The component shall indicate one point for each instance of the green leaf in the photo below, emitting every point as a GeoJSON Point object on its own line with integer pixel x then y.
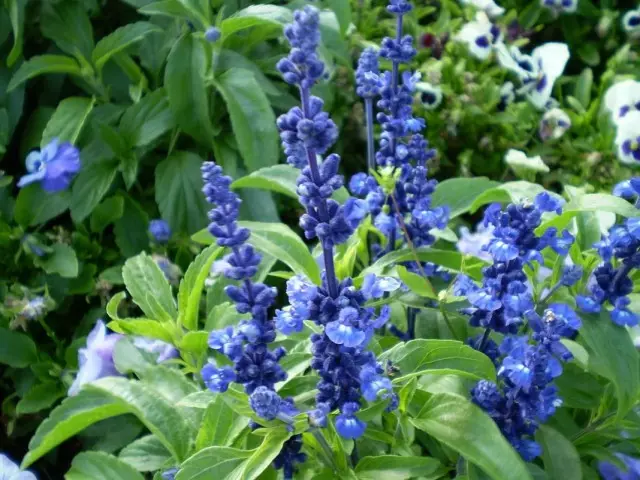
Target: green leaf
{"type": "Point", "coordinates": [192, 284]}
{"type": "Point", "coordinates": [150, 118]}
{"type": "Point", "coordinates": [393, 467]}
{"type": "Point", "coordinates": [119, 40]}
{"type": "Point", "coordinates": [252, 119]}
{"type": "Point", "coordinates": [100, 466]}
{"type": "Point", "coordinates": [256, 15]}
{"type": "Point", "coordinates": [460, 193]}
{"type": "Point", "coordinates": [149, 288]}
{"type": "Point", "coordinates": [92, 184]}
{"type": "Point", "coordinates": [602, 337]}
{"type": "Point", "coordinates": [447, 258]}
{"type": "Point", "coordinates": [213, 462]}
{"type": "Point", "coordinates": [62, 260]}
{"type": "Point", "coordinates": [220, 425]}
{"type": "Point", "coordinates": [67, 121]}
{"type": "Point", "coordinates": [279, 241]}
{"type": "Point", "coordinates": [106, 213]}
{"type": "Point", "coordinates": [143, 327]}
{"type": "Point", "coordinates": [16, 14]}
{"type": "Point", "coordinates": [68, 25]}
{"type": "Point", "coordinates": [422, 356]}
{"type": "Point", "coordinates": [42, 64]}
{"type": "Point", "coordinates": [146, 454]}
{"type": "Point", "coordinates": [343, 13]}
{"type": "Point", "coordinates": [265, 454]}
{"type": "Point", "coordinates": [416, 283]}
{"type": "Point", "coordinates": [561, 460]}
{"type": "Point", "coordinates": [179, 192]}
{"type": "Point", "coordinates": [131, 230]}
{"type": "Point", "coordinates": [171, 8]}
{"type": "Point", "coordinates": [16, 349]}
{"type": "Point", "coordinates": [583, 87]}
{"type": "Point", "coordinates": [515, 192]}
{"type": "Point", "coordinates": [169, 382]}
{"type": "Point", "coordinates": [39, 397]}
{"type": "Point", "coordinates": [464, 427]}
{"type": "Point", "coordinates": [184, 80]}
{"type": "Point", "coordinates": [34, 206]}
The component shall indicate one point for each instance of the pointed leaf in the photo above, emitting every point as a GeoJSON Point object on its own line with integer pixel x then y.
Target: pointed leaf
{"type": "Point", "coordinates": [67, 121]}
{"type": "Point", "coordinates": [44, 64]}
{"type": "Point", "coordinates": [393, 467]}
{"type": "Point", "coordinates": [100, 466]}
{"type": "Point", "coordinates": [146, 454]}
{"type": "Point", "coordinates": [213, 462]}
{"type": "Point", "coordinates": [119, 40]}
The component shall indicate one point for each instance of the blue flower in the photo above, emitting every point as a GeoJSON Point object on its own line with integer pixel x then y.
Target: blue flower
{"type": "Point", "coordinates": [225, 341]}
{"type": "Point", "coordinates": [212, 34]}
{"type": "Point", "coordinates": [347, 424]}
{"type": "Point", "coordinates": [374, 385]}
{"type": "Point", "coordinates": [11, 471]}
{"type": "Point", "coordinates": [217, 379]}
{"type": "Point", "coordinates": [289, 456]}
{"type": "Point", "coordinates": [374, 287]}
{"type": "Point", "coordinates": [368, 80]}
{"type": "Point", "coordinates": [609, 471]}
{"type": "Point", "coordinates": [54, 166]}
{"type": "Point", "coordinates": [169, 474]}
{"type": "Point", "coordinates": [354, 212]}
{"type": "Point", "coordinates": [265, 402]}
{"type": "Point", "coordinates": [345, 330]}
{"type": "Point", "coordinates": [160, 230]}
{"type": "Point", "coordinates": [288, 321]}
{"type": "Point", "coordinates": [96, 359]}
{"type": "Point", "coordinates": [163, 351]}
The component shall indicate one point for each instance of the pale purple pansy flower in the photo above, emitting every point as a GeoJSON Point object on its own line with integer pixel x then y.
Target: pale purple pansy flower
{"type": "Point", "coordinates": [11, 471]}
{"type": "Point", "coordinates": [54, 166]}
{"type": "Point", "coordinates": [96, 359]}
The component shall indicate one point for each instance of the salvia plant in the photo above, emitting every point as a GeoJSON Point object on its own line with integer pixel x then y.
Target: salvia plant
{"type": "Point", "coordinates": [393, 326]}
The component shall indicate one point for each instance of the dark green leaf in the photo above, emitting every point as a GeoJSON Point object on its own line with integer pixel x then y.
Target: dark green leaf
{"type": "Point", "coordinates": [460, 193]}
{"type": "Point", "coordinates": [184, 80]}
{"type": "Point", "coordinates": [464, 427]}
{"type": "Point", "coordinates": [16, 349]}
{"type": "Point", "coordinates": [68, 25]}
{"type": "Point", "coordinates": [34, 206]}
{"type": "Point", "coordinates": [583, 87]}
{"type": "Point", "coordinates": [61, 260]}
{"type": "Point", "coordinates": [119, 40]}
{"type": "Point", "coordinates": [422, 356]}
{"type": "Point", "coordinates": [148, 119]}
{"type": "Point", "coordinates": [100, 466]}
{"type": "Point", "coordinates": [106, 213]}
{"type": "Point", "coordinates": [39, 397]}
{"type": "Point", "coordinates": [67, 121]}
{"type": "Point", "coordinates": [179, 192]}
{"type": "Point", "coordinates": [44, 64]}
{"type": "Point", "coordinates": [252, 118]}
{"type": "Point", "coordinates": [131, 229]}
{"type": "Point", "coordinates": [392, 467]}
{"type": "Point", "coordinates": [561, 460]}
{"type": "Point", "coordinates": [16, 14]}
{"type": "Point", "coordinates": [88, 189]}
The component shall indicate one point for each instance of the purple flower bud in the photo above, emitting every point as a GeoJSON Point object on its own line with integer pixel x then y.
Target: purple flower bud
{"type": "Point", "coordinates": [160, 230]}
{"type": "Point", "coordinates": [212, 34]}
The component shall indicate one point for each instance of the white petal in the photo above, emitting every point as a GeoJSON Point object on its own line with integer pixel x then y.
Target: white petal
{"type": "Point", "coordinates": [97, 335]}
{"type": "Point", "coordinates": [628, 129]}
{"type": "Point", "coordinates": [625, 93]}
{"type": "Point", "coordinates": [553, 58]}
{"type": "Point", "coordinates": [519, 161]}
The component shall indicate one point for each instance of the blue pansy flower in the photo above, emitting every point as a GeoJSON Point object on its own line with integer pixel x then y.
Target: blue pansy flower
{"type": "Point", "coordinates": [54, 166]}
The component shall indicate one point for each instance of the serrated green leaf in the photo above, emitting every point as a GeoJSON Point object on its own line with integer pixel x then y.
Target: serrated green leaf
{"type": "Point", "coordinates": [16, 349]}
{"type": "Point", "coordinates": [100, 466]}
{"type": "Point", "coordinates": [393, 467]}
{"type": "Point", "coordinates": [464, 427]}
{"type": "Point", "coordinates": [42, 64]}
{"type": "Point", "coordinates": [145, 281]}
{"type": "Point", "coordinates": [39, 397]}
{"type": "Point", "coordinates": [184, 80]}
{"type": "Point", "coordinates": [443, 357]}
{"type": "Point", "coordinates": [252, 118]}
{"type": "Point", "coordinates": [61, 260]}
{"type": "Point", "coordinates": [67, 121]}
{"type": "Point", "coordinates": [179, 192]}
{"type": "Point", "coordinates": [220, 425]}
{"type": "Point", "coordinates": [146, 454]}
{"type": "Point", "coordinates": [119, 40]}
{"type": "Point", "coordinates": [213, 462]}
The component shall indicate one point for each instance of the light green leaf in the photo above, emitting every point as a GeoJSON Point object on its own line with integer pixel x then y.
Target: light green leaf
{"type": "Point", "coordinates": [119, 40]}
{"type": "Point", "coordinates": [422, 356]}
{"type": "Point", "coordinates": [34, 206]}
{"type": "Point", "coordinates": [194, 342]}
{"type": "Point", "coordinates": [143, 327]}
{"type": "Point", "coordinates": [42, 64]}
{"type": "Point", "coordinates": [67, 121]}
{"type": "Point", "coordinates": [583, 87]}
{"type": "Point", "coordinates": [198, 399]}
{"type": "Point", "coordinates": [220, 425]}
{"type": "Point", "coordinates": [252, 119]}
{"type": "Point", "coordinates": [393, 467]}
{"type": "Point", "coordinates": [146, 454]}
{"type": "Point", "coordinates": [508, 192]}
{"type": "Point", "coordinates": [561, 460]}
{"type": "Point", "coordinates": [149, 288]}
{"type": "Point", "coordinates": [602, 337]}
{"type": "Point", "coordinates": [264, 455]}
{"type": "Point", "coordinates": [170, 8]}
{"type": "Point", "coordinates": [179, 192]}
{"type": "Point", "coordinates": [16, 349]}
{"type": "Point", "coordinates": [100, 466]}
{"type": "Point", "coordinates": [184, 80]}
{"type": "Point", "coordinates": [192, 284]}
{"type": "Point", "coordinates": [416, 283]}
{"type": "Point", "coordinates": [169, 382]}
{"type": "Point", "coordinates": [92, 184]}
{"type": "Point", "coordinates": [256, 15]}
{"type": "Point", "coordinates": [464, 427]}
{"type": "Point", "coordinates": [145, 121]}
{"type": "Point", "coordinates": [460, 193]}
{"type": "Point", "coordinates": [279, 241]}
{"type": "Point", "coordinates": [213, 462]}
{"type": "Point", "coordinates": [61, 260]}
{"type": "Point", "coordinates": [39, 397]}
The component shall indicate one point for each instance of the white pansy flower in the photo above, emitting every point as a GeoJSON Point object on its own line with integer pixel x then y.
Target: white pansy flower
{"type": "Point", "coordinates": [523, 165]}
{"type": "Point", "coordinates": [554, 124]}
{"type": "Point", "coordinates": [490, 7]}
{"type": "Point", "coordinates": [480, 36]}
{"type": "Point", "coordinates": [560, 6]}
{"type": "Point", "coordinates": [507, 96]}
{"type": "Point", "coordinates": [628, 138]}
{"type": "Point", "coordinates": [631, 22]}
{"type": "Point", "coordinates": [11, 471]}
{"type": "Point", "coordinates": [538, 71]}
{"type": "Point", "coordinates": [622, 98]}
{"type": "Point", "coordinates": [430, 95]}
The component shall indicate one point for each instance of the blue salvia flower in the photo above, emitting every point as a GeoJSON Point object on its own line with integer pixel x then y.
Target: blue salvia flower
{"type": "Point", "coordinates": [368, 85]}
{"type": "Point", "coordinates": [620, 251]}
{"type": "Point", "coordinates": [609, 471]}
{"type": "Point", "coordinates": [339, 354]}
{"type": "Point", "coordinates": [160, 230]}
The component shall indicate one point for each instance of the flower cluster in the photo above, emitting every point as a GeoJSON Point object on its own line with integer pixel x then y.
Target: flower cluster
{"type": "Point", "coordinates": [620, 251]}
{"type": "Point", "coordinates": [54, 166]}
{"type": "Point", "coordinates": [346, 369]}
